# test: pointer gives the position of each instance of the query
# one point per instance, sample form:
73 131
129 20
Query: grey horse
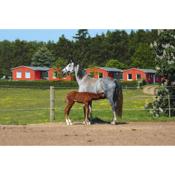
110 87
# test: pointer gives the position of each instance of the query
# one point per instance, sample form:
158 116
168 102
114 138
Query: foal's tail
119 100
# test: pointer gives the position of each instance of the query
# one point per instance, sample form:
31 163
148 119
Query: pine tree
165 66
143 57
43 57
81 47
81 35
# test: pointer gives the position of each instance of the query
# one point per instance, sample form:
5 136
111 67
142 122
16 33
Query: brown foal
80 97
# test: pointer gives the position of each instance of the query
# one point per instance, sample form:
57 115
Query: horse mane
81 73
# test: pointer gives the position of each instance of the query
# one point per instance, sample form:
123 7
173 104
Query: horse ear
76 68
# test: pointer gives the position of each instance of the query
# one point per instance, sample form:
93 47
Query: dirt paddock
133 133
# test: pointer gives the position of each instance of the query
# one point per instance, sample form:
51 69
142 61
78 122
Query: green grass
25 106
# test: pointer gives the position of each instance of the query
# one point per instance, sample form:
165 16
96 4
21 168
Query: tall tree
137 38
118 45
81 35
43 57
6 57
59 63
81 47
165 65
98 50
64 49
115 63
144 57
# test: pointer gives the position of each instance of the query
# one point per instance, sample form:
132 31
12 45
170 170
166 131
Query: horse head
69 68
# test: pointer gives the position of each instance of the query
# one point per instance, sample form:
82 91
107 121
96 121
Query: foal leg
67 111
89 113
87 122
84 112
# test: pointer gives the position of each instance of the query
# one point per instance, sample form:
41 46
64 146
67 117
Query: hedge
38 84
129 84
56 84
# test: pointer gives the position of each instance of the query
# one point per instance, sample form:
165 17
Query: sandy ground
134 133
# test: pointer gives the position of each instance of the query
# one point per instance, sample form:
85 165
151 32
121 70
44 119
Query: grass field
25 106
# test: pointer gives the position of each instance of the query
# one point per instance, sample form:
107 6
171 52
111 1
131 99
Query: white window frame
27 75
18 74
128 77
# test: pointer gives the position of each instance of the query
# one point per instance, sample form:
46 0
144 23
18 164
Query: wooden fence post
52 103
138 85
169 106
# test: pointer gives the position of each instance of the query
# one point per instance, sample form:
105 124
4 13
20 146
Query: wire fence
35 104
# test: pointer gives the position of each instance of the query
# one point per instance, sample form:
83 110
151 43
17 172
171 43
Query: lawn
24 106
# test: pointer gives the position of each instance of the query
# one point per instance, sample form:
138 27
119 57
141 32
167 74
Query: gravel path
151 90
134 133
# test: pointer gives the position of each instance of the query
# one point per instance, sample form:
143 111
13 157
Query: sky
44 34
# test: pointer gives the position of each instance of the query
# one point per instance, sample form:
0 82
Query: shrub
38 84
57 84
129 84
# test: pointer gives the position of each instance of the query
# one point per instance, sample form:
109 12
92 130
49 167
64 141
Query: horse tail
120 103
119 99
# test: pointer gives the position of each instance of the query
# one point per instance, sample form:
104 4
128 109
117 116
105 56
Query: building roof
111 69
35 68
148 70
38 68
143 70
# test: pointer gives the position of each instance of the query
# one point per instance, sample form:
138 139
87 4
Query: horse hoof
68 122
113 123
88 123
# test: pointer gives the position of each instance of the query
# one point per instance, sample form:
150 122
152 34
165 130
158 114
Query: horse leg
67 111
66 114
87 114
84 112
114 121
90 111
113 105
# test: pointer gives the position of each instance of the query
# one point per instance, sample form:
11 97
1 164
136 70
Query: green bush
58 84
129 84
38 84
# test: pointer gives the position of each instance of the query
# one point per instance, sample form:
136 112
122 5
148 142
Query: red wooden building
103 72
37 73
149 75
55 75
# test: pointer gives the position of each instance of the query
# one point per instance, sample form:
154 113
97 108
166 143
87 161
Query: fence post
169 106
138 85
52 103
